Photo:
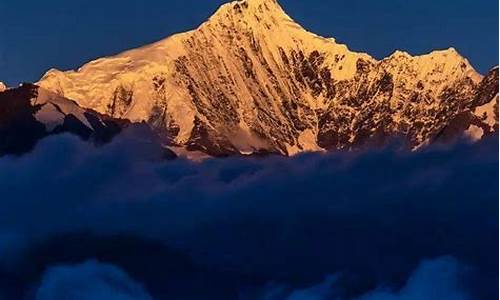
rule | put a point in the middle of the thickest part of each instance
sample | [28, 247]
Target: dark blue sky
[37, 35]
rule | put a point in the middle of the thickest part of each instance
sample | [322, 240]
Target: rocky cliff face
[250, 79]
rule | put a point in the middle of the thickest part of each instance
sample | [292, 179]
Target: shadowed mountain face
[252, 80]
[29, 113]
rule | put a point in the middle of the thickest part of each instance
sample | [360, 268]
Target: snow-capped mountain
[29, 113]
[250, 79]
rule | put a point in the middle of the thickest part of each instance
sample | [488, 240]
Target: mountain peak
[244, 4]
[250, 11]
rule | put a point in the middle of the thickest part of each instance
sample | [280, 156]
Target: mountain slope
[29, 113]
[250, 79]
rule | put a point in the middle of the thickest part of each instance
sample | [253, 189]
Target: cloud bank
[227, 228]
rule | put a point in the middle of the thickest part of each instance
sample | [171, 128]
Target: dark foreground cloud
[437, 279]
[229, 228]
[433, 280]
[89, 281]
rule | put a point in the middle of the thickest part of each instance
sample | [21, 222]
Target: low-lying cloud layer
[237, 228]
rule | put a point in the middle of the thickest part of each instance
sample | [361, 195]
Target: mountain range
[251, 80]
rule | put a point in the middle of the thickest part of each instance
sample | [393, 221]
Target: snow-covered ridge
[251, 79]
[29, 113]
[55, 108]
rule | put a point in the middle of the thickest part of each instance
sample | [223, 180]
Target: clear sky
[38, 35]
